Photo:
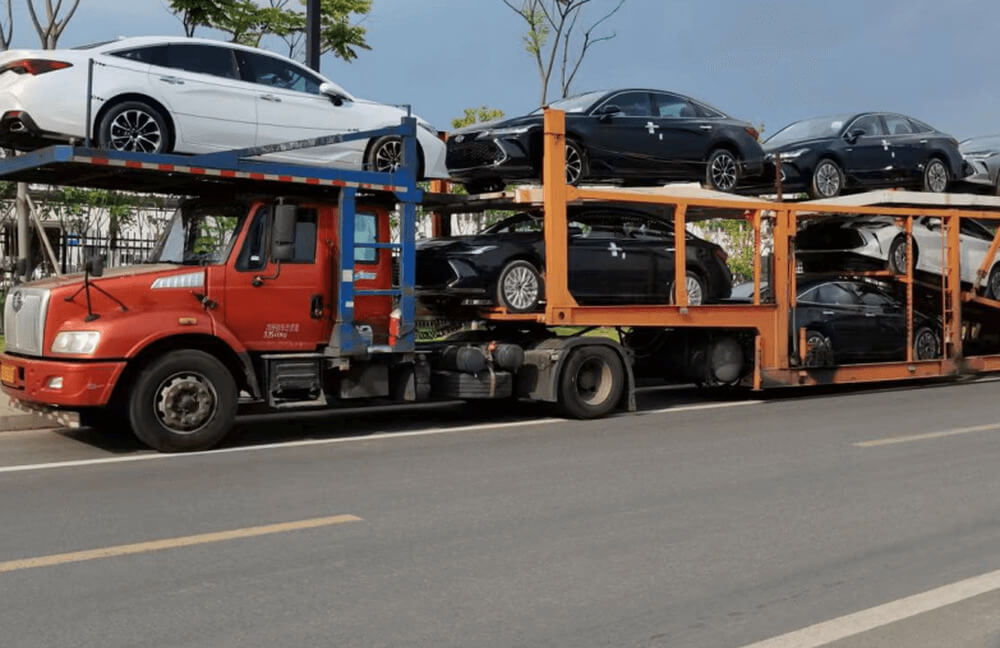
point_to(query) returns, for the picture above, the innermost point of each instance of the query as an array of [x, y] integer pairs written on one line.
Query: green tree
[[476, 115], [200, 13]]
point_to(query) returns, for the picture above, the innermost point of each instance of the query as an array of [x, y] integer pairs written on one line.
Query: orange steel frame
[[769, 321]]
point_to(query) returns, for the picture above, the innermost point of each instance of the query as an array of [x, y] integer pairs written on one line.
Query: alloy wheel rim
[[135, 131], [899, 258], [593, 381], [828, 180], [724, 172], [937, 177], [817, 347], [695, 293], [926, 345], [995, 284], [574, 164], [520, 288], [185, 402], [389, 157]]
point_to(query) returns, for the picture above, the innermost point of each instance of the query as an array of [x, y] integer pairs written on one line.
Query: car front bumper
[[84, 384], [506, 158]]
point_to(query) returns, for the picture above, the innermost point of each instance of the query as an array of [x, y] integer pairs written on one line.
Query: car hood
[[514, 122], [456, 244]]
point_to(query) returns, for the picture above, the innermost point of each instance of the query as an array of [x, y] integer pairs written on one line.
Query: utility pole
[[312, 33], [23, 229]]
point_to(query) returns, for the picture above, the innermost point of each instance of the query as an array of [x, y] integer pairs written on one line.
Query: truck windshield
[[199, 235]]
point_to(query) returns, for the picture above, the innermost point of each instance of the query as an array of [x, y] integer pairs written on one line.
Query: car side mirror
[[283, 233], [607, 111], [853, 135], [336, 96]]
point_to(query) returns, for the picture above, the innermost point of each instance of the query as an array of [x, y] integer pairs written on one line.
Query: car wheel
[[722, 172], [591, 383], [993, 283], [484, 186], [519, 288], [385, 155], [182, 401], [576, 162], [897, 255], [819, 350], [925, 344], [696, 290], [936, 176], [134, 127], [827, 180]]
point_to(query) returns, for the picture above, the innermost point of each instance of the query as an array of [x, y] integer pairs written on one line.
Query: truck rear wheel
[[183, 401], [591, 383]]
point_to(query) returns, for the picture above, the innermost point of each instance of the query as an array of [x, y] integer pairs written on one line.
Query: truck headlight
[[76, 342]]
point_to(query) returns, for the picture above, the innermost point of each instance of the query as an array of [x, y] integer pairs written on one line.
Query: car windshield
[[807, 130], [576, 104], [981, 145], [94, 45], [199, 235]]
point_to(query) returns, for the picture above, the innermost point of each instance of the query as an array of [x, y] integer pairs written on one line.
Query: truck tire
[[183, 401], [591, 383]]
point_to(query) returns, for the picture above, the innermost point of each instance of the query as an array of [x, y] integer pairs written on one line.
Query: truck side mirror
[[95, 265], [283, 233]]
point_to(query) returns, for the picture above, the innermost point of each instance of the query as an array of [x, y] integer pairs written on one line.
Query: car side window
[[835, 295], [155, 55], [811, 296], [898, 125], [632, 104], [876, 299], [203, 59], [672, 106], [920, 127], [974, 229], [365, 231], [270, 71], [870, 124]]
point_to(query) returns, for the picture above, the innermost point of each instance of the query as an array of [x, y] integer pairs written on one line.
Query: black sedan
[[828, 155], [616, 256], [629, 136]]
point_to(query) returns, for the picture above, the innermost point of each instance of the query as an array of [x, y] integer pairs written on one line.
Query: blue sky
[[770, 61]]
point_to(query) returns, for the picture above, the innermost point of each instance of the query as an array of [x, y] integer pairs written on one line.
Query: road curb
[[17, 422]]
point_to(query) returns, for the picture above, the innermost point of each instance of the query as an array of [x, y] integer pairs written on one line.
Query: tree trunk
[[23, 229]]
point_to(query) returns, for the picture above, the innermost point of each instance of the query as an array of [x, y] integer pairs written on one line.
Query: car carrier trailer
[[299, 305]]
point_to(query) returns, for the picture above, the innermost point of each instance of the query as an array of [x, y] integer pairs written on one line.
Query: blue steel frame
[[346, 339]]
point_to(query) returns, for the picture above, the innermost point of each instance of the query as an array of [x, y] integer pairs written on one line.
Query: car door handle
[[923, 141], [828, 313], [171, 80], [871, 314], [705, 127], [270, 97]]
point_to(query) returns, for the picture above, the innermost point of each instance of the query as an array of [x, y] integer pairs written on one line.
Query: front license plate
[[8, 374]]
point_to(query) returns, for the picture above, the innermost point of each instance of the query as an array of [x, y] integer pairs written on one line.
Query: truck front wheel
[[591, 383], [183, 401]]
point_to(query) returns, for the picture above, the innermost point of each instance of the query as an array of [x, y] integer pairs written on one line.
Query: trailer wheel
[[183, 401], [591, 383], [520, 287]]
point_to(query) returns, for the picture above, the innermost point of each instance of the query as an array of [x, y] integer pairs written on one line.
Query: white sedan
[[189, 95], [825, 243]]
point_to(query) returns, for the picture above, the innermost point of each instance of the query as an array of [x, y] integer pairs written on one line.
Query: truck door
[[373, 270], [280, 309]]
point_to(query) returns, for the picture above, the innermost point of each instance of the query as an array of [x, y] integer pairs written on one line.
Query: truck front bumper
[[60, 383]]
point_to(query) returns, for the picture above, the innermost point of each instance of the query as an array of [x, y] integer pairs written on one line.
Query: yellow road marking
[[172, 543], [989, 427]]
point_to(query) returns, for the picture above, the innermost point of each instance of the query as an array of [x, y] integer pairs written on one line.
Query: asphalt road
[[843, 518]]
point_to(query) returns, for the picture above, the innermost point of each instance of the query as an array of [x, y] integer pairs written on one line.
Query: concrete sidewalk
[[17, 418]]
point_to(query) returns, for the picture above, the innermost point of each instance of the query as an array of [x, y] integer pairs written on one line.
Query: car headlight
[[482, 249], [76, 342], [513, 131], [791, 155]]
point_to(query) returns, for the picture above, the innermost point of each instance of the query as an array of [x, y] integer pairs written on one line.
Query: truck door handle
[[171, 80], [270, 97], [316, 307]]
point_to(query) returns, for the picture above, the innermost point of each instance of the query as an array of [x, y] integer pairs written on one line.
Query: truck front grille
[[24, 320]]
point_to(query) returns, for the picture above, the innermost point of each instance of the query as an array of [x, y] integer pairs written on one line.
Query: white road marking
[[875, 443], [857, 623], [152, 456]]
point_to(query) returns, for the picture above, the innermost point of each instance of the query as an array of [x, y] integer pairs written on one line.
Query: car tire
[[520, 288], [696, 288], [385, 155], [993, 283], [897, 256], [936, 176], [926, 345], [591, 383], [134, 127], [819, 350], [576, 162], [827, 180], [474, 187], [722, 170], [166, 390]]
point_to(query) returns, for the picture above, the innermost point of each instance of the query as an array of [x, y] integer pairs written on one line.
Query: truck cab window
[[365, 231], [199, 234], [253, 256]]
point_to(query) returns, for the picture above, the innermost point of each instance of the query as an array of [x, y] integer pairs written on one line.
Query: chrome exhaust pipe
[[17, 126]]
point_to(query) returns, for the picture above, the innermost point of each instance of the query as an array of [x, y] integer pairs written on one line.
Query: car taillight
[[34, 67], [752, 132], [719, 252]]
